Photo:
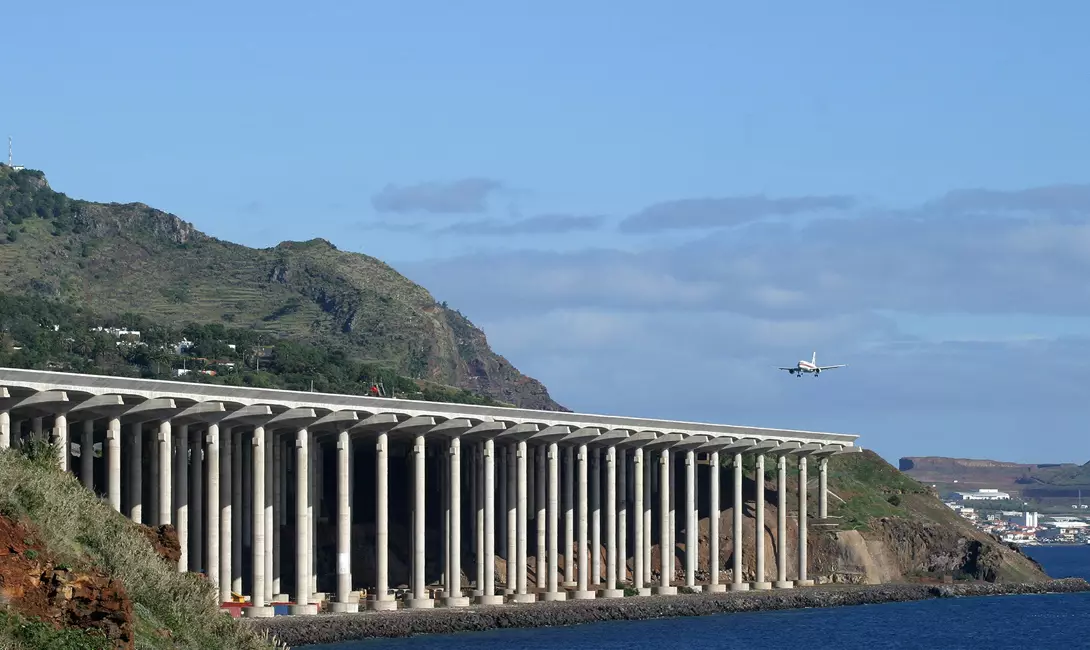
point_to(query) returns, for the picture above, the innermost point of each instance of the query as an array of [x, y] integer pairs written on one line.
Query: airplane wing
[[842, 365]]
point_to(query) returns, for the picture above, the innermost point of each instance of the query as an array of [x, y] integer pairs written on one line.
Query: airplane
[[810, 366]]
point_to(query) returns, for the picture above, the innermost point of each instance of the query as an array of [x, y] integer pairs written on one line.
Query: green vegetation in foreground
[[82, 531], [18, 633], [871, 488], [57, 336]]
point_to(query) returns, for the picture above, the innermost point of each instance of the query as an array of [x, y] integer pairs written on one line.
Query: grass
[[80, 530], [871, 489], [18, 633]]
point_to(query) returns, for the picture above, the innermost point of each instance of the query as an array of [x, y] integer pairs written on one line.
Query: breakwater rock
[[331, 628]]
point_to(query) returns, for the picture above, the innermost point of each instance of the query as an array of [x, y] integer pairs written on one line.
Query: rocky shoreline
[[332, 628]]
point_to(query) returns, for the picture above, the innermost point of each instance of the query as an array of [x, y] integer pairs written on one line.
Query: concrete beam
[[160, 408], [609, 438], [743, 445], [255, 415], [44, 403], [717, 443], [555, 433], [582, 435], [97, 406], [785, 447], [638, 439], [665, 441], [848, 450], [690, 442], [807, 449], [452, 428], [294, 419], [413, 426], [336, 421], [763, 446], [826, 450], [486, 430], [202, 412], [519, 432]]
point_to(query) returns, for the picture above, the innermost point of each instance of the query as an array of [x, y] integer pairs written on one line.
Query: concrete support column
[[501, 509], [611, 590], [781, 524], [226, 515], [5, 430], [823, 488], [303, 585], [344, 528], [488, 588], [153, 481], [692, 539], [638, 529], [314, 503], [454, 579], [382, 600], [666, 555], [540, 485], [279, 483], [60, 440], [713, 525], [520, 469], [236, 513], [736, 579], [196, 505], [569, 518], [759, 523], [259, 608], [595, 517], [136, 473], [553, 519], [582, 592], [271, 538], [164, 456], [212, 521], [647, 498], [420, 598], [181, 494], [478, 515], [802, 581], [511, 487], [37, 428], [113, 463], [87, 455], [622, 516]]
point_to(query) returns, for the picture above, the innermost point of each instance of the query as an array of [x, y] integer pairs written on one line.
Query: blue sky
[[647, 205]]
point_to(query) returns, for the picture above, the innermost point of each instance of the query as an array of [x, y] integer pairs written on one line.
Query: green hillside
[[113, 260]]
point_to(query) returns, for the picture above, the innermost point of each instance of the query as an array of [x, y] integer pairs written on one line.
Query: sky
[[649, 206]]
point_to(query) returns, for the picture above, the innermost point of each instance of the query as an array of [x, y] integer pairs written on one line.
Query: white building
[[984, 494]]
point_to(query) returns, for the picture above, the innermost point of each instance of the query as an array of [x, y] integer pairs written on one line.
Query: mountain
[[1046, 483], [117, 259]]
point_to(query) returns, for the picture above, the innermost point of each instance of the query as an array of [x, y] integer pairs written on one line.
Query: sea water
[[992, 622]]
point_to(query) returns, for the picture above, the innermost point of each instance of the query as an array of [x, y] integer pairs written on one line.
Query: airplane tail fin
[[813, 359]]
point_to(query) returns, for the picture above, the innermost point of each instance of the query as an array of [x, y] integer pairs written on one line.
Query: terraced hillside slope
[[131, 258], [1054, 484]]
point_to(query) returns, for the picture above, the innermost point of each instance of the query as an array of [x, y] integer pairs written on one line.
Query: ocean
[[994, 622]]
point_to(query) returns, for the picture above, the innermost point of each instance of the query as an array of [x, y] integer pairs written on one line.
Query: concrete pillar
[[647, 498], [420, 598], [136, 473], [666, 555], [511, 488], [5, 430], [279, 477], [113, 463], [520, 468], [259, 608], [823, 488], [196, 505], [622, 516], [736, 579], [303, 585], [37, 427], [781, 524], [454, 578], [540, 485], [87, 455], [162, 466], [478, 515], [344, 528], [60, 440], [672, 546], [153, 481], [488, 587], [759, 523], [226, 515], [501, 509], [638, 529], [802, 581], [271, 541], [314, 499], [236, 512], [595, 517], [692, 539], [181, 494], [212, 521], [569, 518], [713, 525], [611, 590], [382, 600], [552, 592], [442, 471], [582, 592]]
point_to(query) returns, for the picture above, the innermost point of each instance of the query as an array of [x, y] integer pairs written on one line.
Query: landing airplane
[[810, 366]]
